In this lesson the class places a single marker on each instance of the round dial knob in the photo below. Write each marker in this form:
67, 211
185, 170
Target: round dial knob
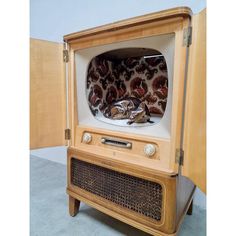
87, 138
149, 150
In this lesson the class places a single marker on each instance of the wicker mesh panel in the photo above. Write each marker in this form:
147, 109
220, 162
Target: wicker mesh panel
139, 195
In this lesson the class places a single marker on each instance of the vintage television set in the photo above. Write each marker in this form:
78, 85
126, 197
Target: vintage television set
136, 118
134, 102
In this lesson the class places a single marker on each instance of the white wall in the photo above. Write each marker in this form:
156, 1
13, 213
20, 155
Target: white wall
51, 19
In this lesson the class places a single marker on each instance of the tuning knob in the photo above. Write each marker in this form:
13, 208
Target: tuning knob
87, 138
149, 150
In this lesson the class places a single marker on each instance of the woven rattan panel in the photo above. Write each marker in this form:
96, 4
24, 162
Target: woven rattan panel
139, 195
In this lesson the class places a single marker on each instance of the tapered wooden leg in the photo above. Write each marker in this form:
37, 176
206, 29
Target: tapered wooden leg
190, 209
73, 206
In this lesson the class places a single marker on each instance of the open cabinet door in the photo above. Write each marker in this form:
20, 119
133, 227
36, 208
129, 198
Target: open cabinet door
47, 94
194, 142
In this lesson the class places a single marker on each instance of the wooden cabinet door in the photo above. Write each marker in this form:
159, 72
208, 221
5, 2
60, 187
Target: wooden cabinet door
47, 94
194, 142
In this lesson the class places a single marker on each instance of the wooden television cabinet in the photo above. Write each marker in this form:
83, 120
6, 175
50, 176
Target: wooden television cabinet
143, 176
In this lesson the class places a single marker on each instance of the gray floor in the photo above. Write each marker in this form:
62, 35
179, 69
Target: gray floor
49, 212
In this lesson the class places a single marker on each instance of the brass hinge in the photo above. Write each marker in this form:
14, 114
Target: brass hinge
65, 55
179, 156
67, 134
187, 37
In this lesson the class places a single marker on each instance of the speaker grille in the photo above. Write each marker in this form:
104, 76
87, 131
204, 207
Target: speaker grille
139, 195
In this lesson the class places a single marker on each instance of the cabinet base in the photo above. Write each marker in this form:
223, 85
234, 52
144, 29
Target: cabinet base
74, 202
153, 203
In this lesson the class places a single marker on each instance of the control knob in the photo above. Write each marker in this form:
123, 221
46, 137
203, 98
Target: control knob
149, 150
87, 138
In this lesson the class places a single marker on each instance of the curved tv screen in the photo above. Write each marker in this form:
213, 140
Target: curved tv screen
128, 86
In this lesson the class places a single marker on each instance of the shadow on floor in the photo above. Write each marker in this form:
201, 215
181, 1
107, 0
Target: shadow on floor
117, 225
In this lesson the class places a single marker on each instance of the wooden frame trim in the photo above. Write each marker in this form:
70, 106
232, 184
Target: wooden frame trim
140, 172
135, 21
72, 97
135, 155
181, 53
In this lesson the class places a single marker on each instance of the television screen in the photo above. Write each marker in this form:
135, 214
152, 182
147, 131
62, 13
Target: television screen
127, 86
